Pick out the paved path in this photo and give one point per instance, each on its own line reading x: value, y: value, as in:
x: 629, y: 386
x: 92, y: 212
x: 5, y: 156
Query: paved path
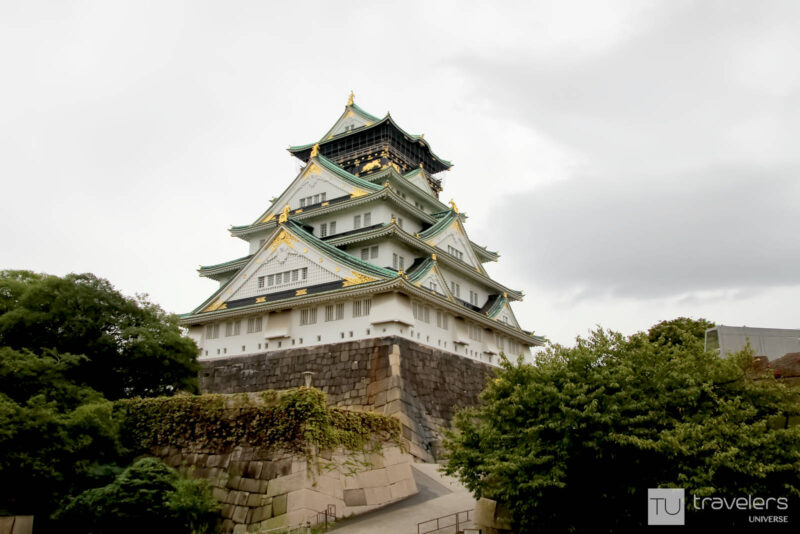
x: 438, y: 495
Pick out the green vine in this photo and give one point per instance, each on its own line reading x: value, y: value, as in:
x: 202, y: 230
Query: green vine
x: 297, y: 421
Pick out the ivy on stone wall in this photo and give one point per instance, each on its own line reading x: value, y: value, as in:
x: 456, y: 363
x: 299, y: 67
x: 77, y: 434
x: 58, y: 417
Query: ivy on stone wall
x: 296, y: 420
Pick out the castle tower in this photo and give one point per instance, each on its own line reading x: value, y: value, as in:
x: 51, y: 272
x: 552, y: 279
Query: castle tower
x: 360, y: 246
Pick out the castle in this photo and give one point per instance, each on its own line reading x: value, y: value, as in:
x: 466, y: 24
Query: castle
x: 359, y: 246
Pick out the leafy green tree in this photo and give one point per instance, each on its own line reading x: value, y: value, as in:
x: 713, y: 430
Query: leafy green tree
x: 131, y: 346
x: 66, y: 346
x: 572, y: 443
x: 147, y: 497
x: 55, y: 435
x: 682, y: 330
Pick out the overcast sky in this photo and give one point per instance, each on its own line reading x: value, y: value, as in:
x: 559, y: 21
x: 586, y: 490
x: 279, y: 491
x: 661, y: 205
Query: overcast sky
x: 631, y: 161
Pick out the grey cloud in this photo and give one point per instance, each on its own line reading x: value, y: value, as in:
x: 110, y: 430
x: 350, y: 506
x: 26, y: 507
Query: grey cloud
x: 664, y: 235
x: 687, y: 92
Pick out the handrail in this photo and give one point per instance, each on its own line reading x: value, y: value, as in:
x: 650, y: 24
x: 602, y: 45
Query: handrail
x: 438, y: 519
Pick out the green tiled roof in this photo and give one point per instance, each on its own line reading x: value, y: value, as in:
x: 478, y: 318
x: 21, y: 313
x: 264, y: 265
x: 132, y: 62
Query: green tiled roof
x: 340, y: 255
x: 364, y: 113
x: 421, y: 270
x: 440, y: 225
x: 352, y: 178
x: 224, y: 264
x: 497, y: 307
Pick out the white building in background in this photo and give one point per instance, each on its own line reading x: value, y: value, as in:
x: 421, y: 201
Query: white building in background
x: 360, y: 246
x: 773, y: 343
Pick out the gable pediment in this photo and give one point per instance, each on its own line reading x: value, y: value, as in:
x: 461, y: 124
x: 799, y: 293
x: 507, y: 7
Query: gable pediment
x: 454, y: 241
x: 350, y: 120
x: 315, y: 184
x: 506, y: 316
x: 435, y: 282
x: 285, y: 266
x: 422, y: 183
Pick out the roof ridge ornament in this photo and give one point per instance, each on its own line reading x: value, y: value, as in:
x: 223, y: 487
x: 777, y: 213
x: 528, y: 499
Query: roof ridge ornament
x: 350, y: 99
x: 315, y: 151
x: 453, y: 205
x: 284, y: 217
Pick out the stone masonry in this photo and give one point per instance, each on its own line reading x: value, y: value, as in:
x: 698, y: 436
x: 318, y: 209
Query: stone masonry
x: 267, y: 489
x: 421, y: 386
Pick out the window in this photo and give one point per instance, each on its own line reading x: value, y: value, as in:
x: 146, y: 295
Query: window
x: 441, y: 320
x: 499, y: 340
x: 402, y: 263
x: 367, y: 219
x: 421, y: 312
x: 365, y: 253
x: 308, y: 316
x: 212, y: 331
x: 361, y: 307
x: 394, y: 261
x: 302, y: 203
x: 286, y: 277
x: 334, y: 312
x: 400, y: 223
x: 455, y: 289
x: 455, y: 252
x: 322, y: 197
x: 316, y: 199
x: 373, y: 252
x: 475, y: 332
x: 473, y: 298
x: 433, y: 285
x: 505, y: 319
x: 333, y: 227
x: 323, y: 229
x: 232, y: 328
x: 260, y: 282
x: 357, y: 222
x: 254, y: 325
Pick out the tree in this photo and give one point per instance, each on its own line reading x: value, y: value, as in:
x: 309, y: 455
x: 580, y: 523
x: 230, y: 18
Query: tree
x: 67, y: 345
x: 55, y: 436
x: 572, y: 442
x: 147, y: 496
x: 131, y: 346
x: 680, y: 331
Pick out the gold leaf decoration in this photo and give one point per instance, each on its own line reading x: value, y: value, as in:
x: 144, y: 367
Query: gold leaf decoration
x: 356, y: 279
x: 283, y: 238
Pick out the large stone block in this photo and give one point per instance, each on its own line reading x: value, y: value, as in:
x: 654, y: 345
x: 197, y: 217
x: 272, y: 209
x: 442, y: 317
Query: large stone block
x: 355, y: 497
x: 377, y: 496
x: 279, y: 503
x: 372, y: 478
x: 249, y: 485
x: 293, y: 482
x: 396, y: 473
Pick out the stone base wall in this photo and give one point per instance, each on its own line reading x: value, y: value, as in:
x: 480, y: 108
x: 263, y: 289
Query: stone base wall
x: 423, y: 387
x: 262, y: 489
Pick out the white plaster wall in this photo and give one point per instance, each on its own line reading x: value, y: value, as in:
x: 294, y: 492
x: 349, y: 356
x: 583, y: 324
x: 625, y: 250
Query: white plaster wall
x: 390, y: 314
x: 466, y: 286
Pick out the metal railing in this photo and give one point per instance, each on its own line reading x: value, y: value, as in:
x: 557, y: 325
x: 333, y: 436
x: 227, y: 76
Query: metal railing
x: 442, y: 522
x: 324, y: 518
